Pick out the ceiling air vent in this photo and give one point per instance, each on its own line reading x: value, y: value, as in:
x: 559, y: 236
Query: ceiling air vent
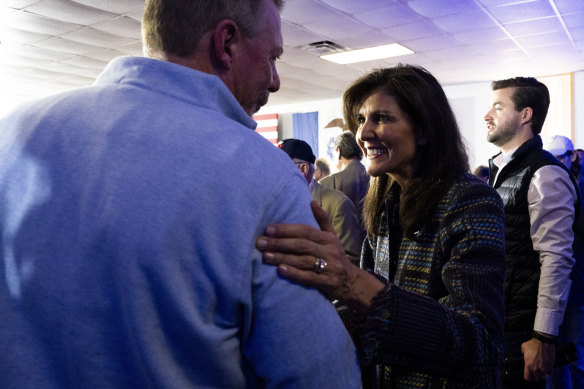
x: 322, y: 48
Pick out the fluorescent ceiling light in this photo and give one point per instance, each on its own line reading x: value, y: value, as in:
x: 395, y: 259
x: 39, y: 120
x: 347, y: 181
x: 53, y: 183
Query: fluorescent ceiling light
x: 368, y: 54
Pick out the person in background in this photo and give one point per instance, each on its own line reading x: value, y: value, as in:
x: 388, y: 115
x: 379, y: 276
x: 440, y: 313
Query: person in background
x: 129, y: 213
x: 482, y: 172
x: 352, y: 178
x: 562, y: 148
x: 540, y: 197
x: 572, y: 330
x: 427, y: 305
x: 578, y: 168
x: 339, y: 207
x: 321, y: 168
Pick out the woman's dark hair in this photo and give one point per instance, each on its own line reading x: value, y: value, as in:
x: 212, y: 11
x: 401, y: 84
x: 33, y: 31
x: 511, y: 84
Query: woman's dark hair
x: 442, y: 157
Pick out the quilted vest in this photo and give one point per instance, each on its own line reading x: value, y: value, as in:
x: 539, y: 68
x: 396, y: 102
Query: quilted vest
x: 523, y: 267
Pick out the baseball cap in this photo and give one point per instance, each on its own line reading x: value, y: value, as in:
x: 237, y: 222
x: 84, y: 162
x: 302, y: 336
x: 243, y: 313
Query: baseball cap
x: 559, y: 145
x: 297, y: 148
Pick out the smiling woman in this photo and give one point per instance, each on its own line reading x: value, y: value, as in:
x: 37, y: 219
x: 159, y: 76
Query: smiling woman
x: 426, y: 307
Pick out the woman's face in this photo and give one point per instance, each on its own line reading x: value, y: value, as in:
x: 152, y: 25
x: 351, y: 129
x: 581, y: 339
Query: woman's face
x: 387, y: 137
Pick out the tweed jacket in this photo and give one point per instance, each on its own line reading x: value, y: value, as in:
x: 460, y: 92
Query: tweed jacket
x: 439, y: 321
x: 343, y: 218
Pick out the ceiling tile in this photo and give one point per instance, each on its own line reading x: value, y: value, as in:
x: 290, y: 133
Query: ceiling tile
x: 460, y: 22
x: 522, y: 11
x: 20, y: 60
x: 307, y: 11
x: 22, y: 37
x: 569, y: 6
x: 122, y: 26
x: 134, y: 48
x: 498, y: 3
x: 91, y: 36
x: 393, y: 15
x: 543, y: 40
x: 431, y: 43
x: 60, y: 68
x: 86, y: 62
x: 490, y: 34
x: 136, y: 15
x: 405, y: 32
x: 114, y: 6
x: 67, y: 11
x: 352, y: 7
x: 41, y: 53
x: 295, y: 35
x: 577, y: 34
x: 42, y: 74
x: 34, y: 23
x: 360, y: 41
x: 339, y: 27
x: 18, y: 3
x: 103, y: 54
x: 573, y: 20
x: 551, y: 24
x: 448, y: 53
x: 64, y: 45
x: 436, y: 8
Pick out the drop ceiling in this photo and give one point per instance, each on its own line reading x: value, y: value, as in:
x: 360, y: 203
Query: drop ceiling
x: 48, y: 46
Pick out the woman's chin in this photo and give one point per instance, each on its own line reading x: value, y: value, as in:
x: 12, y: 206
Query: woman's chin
x: 375, y: 171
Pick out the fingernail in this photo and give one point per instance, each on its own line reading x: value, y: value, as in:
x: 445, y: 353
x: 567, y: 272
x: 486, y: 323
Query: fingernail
x: 261, y: 243
x: 268, y: 257
x: 283, y: 269
x: 270, y: 230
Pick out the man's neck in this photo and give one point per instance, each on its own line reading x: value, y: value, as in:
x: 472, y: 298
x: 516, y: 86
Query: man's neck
x: 520, y: 138
x: 343, y: 162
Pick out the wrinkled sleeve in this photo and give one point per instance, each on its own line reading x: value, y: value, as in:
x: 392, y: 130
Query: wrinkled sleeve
x: 460, y: 335
x: 551, y: 199
x: 293, y: 336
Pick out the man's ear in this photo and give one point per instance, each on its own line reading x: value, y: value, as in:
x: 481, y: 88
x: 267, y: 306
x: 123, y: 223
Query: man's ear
x: 526, y: 114
x: 226, y: 35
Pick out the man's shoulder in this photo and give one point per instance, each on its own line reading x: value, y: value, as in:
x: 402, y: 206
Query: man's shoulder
x: 333, y: 180
x: 331, y: 198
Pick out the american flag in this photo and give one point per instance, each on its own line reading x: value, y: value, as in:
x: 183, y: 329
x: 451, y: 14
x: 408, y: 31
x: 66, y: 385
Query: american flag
x: 268, y: 126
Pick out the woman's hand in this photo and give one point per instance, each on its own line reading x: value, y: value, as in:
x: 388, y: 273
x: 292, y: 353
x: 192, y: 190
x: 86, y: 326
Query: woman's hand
x: 298, y: 249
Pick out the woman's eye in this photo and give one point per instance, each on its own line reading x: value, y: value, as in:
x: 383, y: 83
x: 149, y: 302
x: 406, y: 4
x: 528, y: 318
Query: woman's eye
x: 360, y: 119
x: 382, y: 119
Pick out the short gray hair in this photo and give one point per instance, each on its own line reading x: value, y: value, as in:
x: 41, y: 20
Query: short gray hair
x: 177, y: 26
x: 347, y: 145
x: 323, y: 165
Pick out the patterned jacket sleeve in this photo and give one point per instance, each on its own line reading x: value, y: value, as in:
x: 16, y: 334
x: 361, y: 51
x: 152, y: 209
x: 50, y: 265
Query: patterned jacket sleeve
x: 460, y: 335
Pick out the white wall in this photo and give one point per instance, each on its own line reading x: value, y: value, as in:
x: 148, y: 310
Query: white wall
x: 470, y: 103
x: 579, y: 110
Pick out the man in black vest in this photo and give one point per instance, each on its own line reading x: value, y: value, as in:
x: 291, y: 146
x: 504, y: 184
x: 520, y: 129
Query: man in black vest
x: 540, y: 198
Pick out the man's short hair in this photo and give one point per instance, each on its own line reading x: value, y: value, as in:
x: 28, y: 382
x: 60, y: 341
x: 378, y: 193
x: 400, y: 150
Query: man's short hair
x: 528, y: 93
x: 322, y: 165
x: 348, y: 146
x: 177, y: 26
